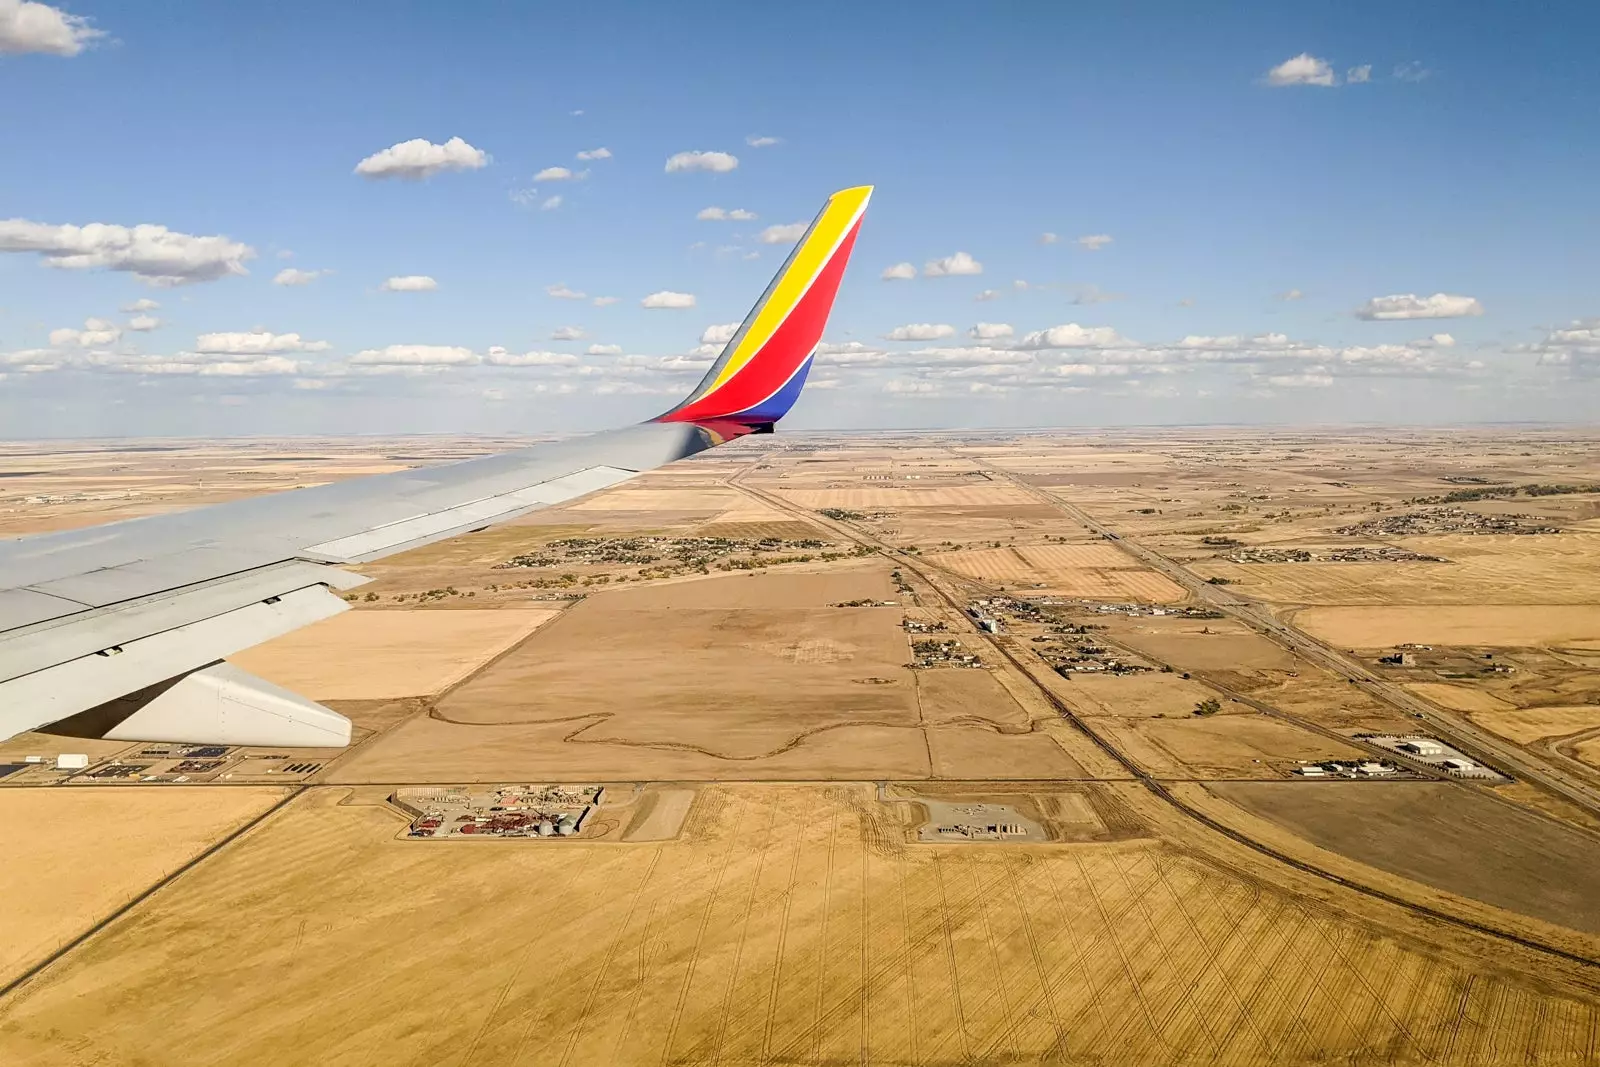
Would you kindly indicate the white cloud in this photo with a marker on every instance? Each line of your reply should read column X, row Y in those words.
column 761, row 142
column 990, row 331
column 1412, row 306
column 784, row 234
column 595, row 153
column 668, row 299
column 142, row 304
column 499, row 357
column 550, row 204
column 416, row 356
column 987, row 295
column 1303, row 69
column 144, row 323
column 898, row 272
column 1292, row 294
column 33, row 361
column 26, row 26
column 293, row 276
column 1310, row 378
column 720, row 334
column 604, row 301
column 561, row 292
column 154, row 254
column 1071, row 335
column 850, row 353
column 717, row 214
column 603, row 350
column 560, row 174
column 960, row 263
column 95, row 333
column 568, row 333
column 188, row 364
column 920, row 331
column 1358, row 75
column 1438, row 340
column 256, row 343
column 909, row 388
column 1048, row 238
column 714, row 162
column 418, row 158
column 1413, row 71
column 1093, row 242
column 409, row 283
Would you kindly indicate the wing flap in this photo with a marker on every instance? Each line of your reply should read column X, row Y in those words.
column 52, row 694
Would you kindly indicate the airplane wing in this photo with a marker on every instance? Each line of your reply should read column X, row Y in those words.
column 120, row 630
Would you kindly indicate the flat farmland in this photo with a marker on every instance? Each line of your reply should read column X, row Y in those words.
column 1525, row 725
column 72, row 856
column 1561, row 569
column 1460, row 841
column 785, row 925
column 377, row 655
column 1097, row 571
column 985, row 494
column 1494, row 625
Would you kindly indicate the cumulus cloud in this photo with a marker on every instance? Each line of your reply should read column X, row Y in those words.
column 95, row 333
column 1303, row 69
column 987, row 295
column 499, row 357
column 144, row 323
column 26, row 26
column 256, row 343
column 1413, row 71
column 294, row 276
column 850, row 353
column 415, row 356
column 595, row 153
column 899, row 272
column 1291, row 294
column 990, row 331
column 712, row 162
column 142, row 304
column 568, row 333
column 666, row 298
column 717, row 214
column 562, row 174
column 153, row 254
column 189, row 364
column 719, row 334
column 550, row 203
column 784, row 234
column 1093, row 242
column 1358, row 75
column 1576, row 346
column 1310, row 378
column 409, row 283
column 561, row 292
column 1412, row 306
column 1071, row 335
column 603, row 350
column 960, row 263
column 761, row 142
column 416, row 159
column 602, row 301
column 920, row 331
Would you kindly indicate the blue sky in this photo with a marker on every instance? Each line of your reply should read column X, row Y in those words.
column 1440, row 154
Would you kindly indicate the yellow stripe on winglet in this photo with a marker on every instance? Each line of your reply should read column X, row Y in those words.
column 838, row 215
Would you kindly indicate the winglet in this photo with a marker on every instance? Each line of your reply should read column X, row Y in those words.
column 758, row 376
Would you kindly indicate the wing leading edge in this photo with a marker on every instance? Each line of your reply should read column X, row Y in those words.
column 121, row 630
